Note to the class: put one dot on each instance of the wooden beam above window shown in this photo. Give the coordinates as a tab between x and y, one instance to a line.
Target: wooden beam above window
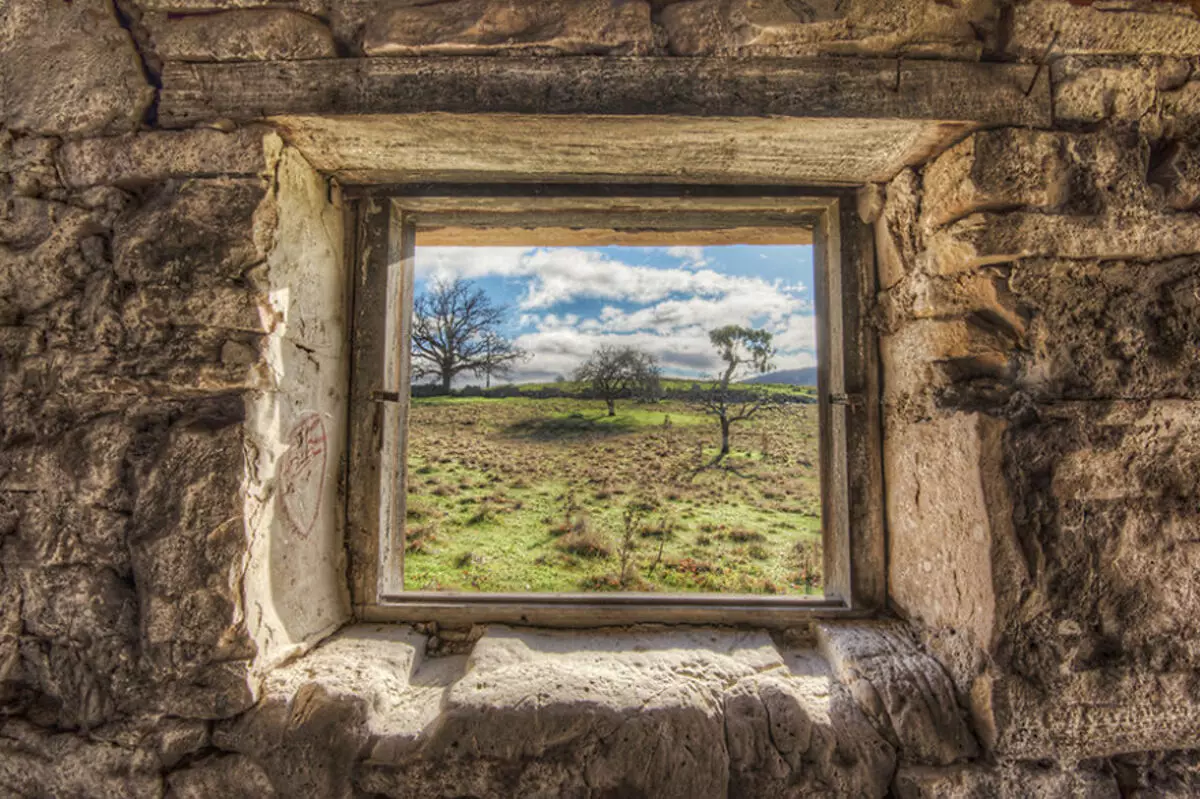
851	88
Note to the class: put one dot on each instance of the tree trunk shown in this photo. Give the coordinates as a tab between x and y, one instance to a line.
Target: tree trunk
446	376
612	407
724	436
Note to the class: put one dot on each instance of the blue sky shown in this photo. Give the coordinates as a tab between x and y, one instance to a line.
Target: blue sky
566	301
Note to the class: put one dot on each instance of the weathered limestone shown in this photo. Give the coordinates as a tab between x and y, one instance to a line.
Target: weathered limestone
970	574
549	714
860	27
482	27
1158	96
220	775
1033	782
936	362
69	69
896	233
983	239
240	35
1126	28
34	762
170	332
1092	713
294	581
1130	335
996	170
1177	173
904	691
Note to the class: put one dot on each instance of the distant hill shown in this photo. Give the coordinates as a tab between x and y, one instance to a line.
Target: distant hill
788	377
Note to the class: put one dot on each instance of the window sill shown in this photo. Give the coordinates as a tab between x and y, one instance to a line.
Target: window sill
640	711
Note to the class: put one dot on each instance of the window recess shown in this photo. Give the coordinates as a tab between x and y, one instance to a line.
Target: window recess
390	223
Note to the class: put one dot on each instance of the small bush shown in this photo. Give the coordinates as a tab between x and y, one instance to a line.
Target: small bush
809	563
588	544
418	537
484	513
468	559
742	536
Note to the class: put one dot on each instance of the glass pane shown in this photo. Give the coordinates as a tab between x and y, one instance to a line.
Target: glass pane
614	419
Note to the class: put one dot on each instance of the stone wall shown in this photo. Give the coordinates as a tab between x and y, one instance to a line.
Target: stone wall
172	341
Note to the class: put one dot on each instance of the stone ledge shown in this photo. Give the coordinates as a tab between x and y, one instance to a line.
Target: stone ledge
656	712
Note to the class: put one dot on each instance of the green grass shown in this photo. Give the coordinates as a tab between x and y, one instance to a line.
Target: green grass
504	495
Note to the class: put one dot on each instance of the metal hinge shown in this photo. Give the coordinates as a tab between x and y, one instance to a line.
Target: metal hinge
852	400
385	396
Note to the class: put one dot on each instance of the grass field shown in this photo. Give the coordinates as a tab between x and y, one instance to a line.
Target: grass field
552	495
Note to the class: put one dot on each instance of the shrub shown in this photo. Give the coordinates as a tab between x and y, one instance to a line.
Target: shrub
741	535
418	537
809	563
588	544
484	513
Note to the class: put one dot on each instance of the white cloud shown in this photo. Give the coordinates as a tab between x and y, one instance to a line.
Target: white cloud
692	257
674	307
563	350
566	273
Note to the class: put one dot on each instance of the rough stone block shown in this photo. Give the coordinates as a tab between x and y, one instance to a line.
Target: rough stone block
220	776
1092	714
897	239
478	27
29	164
36	762
1120	329
314	7
70	69
1153	95
41	254
982	239
945	475
1160	28
188	547
135	160
191	234
240	35
904	691
1158	775
1177	174
1108	493
931	363
996	170
1003	781
674	713
860	27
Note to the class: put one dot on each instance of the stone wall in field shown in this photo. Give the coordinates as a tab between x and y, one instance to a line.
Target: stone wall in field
172	420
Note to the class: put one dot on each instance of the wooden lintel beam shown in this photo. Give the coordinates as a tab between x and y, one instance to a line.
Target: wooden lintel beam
983	94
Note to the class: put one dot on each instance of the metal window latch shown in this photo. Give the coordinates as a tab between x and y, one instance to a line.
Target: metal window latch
385	396
852	400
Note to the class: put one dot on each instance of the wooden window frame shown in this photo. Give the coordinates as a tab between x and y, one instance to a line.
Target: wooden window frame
382	230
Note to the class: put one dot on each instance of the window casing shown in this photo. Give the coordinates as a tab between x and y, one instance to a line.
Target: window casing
384	229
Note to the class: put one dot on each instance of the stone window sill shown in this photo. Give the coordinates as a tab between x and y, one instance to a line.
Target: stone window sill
627	711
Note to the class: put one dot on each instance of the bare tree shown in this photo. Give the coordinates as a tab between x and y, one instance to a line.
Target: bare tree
614	373
745	351
455	331
499	355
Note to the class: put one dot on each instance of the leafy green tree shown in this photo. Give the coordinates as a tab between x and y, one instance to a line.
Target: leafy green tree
745	352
